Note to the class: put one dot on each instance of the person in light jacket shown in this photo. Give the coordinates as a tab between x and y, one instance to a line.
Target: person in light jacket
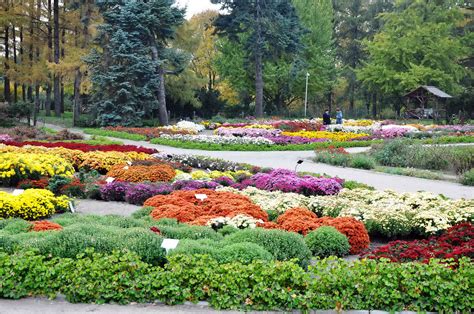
338	116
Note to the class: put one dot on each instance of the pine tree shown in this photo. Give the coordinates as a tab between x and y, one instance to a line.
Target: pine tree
272	29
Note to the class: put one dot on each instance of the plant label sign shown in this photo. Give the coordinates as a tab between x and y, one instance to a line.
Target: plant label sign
109	180
129	163
200	197
71	207
126	167
17	192
169	244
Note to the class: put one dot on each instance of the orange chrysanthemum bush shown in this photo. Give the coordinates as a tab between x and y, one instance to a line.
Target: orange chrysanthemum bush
185	207
45	225
302	221
352	228
140	173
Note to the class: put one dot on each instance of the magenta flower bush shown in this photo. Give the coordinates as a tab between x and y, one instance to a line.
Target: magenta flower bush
137	194
188	185
114	191
5	138
289	181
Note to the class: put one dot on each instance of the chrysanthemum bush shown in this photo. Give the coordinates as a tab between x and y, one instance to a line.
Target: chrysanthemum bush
302	221
394	214
28	165
32	204
186	207
456	242
93	160
139	173
84	147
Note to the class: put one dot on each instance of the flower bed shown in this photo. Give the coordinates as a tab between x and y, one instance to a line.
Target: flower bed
185	207
289	181
248	132
333	136
214	139
32	204
132	173
84	147
456	242
24	165
392	214
301	220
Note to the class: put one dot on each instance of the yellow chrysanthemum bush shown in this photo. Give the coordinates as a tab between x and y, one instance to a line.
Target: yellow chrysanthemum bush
333	136
32	204
95	160
15	166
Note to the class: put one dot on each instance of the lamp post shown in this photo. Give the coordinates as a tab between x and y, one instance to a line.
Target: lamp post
306	95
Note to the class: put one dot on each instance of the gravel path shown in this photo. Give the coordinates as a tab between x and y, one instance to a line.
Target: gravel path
86	206
288	159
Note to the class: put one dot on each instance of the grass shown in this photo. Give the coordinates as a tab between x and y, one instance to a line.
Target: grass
65	119
117	134
413	172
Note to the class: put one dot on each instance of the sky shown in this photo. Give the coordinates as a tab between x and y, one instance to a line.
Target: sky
197	6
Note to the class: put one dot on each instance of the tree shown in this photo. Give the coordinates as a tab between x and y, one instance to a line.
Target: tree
319	56
416	46
272	29
129	72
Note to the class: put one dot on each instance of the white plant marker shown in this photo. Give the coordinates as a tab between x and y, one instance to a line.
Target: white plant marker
126	167
109	180
129	163
17	192
169	244
71	207
200	197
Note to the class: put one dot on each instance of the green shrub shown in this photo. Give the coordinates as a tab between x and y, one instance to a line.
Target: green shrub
336	159
468	177
14	226
192	247
121	277
118	134
327	241
245	252
167	221
226	230
351	185
281	244
462	159
142	212
272	214
362	162
184	231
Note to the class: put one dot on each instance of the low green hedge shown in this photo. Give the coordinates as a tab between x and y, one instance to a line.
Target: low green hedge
117	134
122	277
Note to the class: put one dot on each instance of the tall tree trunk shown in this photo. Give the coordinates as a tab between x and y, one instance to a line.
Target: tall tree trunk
29	93
22	61
56	84
6	80
47	104
161	92
76	111
258	64
162	97
63	42
36	103
374	105
15	60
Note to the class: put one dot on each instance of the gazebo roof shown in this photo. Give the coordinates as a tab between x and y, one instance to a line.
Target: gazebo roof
430	89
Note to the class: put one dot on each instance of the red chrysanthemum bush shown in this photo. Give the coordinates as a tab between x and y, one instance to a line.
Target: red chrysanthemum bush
456	242
302	220
45	225
41	183
153	173
185	207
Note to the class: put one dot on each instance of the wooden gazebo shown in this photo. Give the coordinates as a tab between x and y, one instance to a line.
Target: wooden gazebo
426	94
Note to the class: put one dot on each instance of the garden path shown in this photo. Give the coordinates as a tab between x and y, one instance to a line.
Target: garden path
288	159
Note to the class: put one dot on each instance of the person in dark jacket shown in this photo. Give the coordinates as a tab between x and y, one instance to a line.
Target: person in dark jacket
326	117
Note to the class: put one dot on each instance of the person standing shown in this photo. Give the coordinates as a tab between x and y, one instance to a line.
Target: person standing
326	117
338	116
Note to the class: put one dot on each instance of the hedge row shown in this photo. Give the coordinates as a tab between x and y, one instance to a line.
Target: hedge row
262	285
